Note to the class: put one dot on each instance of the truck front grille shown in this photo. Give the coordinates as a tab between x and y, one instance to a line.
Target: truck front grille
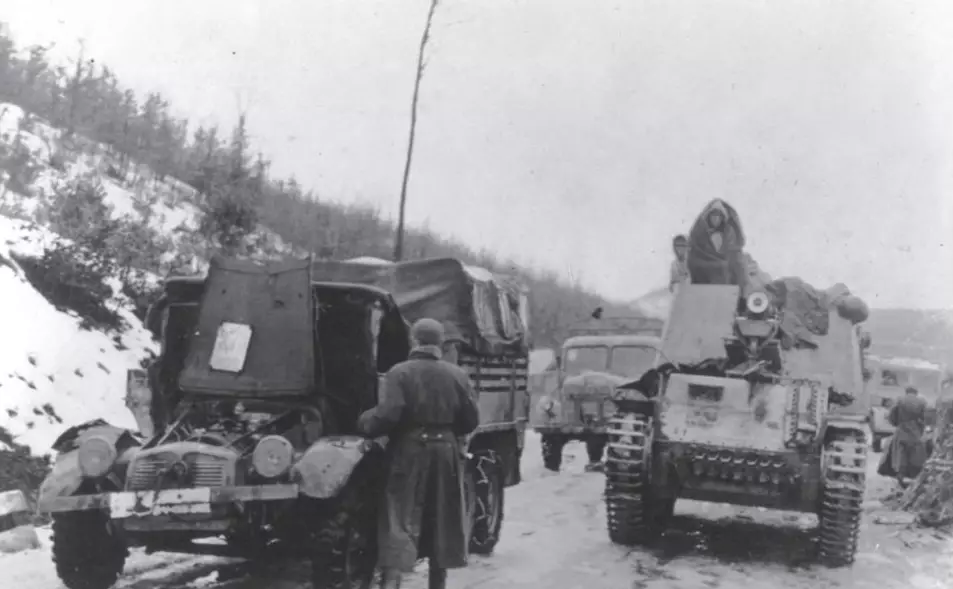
152	472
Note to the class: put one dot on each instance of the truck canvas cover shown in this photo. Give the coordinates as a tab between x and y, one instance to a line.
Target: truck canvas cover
254	333
487	310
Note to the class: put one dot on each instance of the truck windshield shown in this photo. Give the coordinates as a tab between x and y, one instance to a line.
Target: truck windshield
631	361
583	359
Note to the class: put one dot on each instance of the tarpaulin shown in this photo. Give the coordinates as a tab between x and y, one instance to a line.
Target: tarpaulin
482	307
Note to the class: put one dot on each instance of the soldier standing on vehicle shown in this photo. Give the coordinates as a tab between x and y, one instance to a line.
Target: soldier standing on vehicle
907	449
679	273
425	406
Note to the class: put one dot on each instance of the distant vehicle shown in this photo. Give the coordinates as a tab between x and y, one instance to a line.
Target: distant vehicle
888	378
732	416
601	354
250	411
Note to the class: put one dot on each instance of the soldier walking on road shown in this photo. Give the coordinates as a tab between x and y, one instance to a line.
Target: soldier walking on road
907	449
426	406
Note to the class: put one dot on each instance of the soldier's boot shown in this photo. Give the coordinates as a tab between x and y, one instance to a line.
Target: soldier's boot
390	578
437	579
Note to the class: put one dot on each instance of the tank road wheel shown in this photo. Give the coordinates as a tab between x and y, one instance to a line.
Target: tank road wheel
553	451
628	466
485	500
344	551
843	476
87	550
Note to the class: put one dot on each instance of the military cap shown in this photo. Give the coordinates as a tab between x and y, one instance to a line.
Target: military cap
427	332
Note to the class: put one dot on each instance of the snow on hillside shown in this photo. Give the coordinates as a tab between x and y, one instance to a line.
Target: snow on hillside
169	203
53	374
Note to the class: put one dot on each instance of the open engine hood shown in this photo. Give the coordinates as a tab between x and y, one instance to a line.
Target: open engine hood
255	331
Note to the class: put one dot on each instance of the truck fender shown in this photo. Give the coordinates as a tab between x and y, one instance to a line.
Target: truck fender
327	465
65	478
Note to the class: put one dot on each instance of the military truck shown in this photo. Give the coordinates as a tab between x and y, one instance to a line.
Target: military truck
487	316
889	377
252	405
735	412
600	354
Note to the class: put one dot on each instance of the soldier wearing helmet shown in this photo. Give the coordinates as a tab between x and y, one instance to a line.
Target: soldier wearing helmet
679	271
426	407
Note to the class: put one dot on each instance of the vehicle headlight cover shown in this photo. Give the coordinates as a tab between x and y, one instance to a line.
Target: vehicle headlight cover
272	456
96	456
757	302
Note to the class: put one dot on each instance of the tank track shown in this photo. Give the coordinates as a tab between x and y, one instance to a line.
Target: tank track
844	479
627	471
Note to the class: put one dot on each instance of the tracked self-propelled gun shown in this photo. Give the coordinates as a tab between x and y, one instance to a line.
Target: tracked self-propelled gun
737	411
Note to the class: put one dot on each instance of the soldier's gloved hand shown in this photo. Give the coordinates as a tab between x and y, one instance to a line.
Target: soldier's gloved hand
463	442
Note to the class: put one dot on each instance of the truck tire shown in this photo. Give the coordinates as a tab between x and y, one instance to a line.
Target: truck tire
344	552
344	532
631	514
844	464
485	479
553	445
87	551
878	445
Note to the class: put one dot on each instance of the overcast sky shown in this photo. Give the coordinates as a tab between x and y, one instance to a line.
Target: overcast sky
581	135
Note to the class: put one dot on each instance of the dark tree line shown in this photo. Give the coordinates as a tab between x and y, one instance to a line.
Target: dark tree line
146	142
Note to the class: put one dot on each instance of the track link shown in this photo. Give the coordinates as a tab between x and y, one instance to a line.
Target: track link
844	480
627	479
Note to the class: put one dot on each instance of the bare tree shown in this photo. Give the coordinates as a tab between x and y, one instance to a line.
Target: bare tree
421	65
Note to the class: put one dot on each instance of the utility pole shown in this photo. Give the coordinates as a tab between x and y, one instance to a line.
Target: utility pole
399	244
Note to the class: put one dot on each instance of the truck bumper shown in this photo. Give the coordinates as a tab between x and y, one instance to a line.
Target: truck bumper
199	500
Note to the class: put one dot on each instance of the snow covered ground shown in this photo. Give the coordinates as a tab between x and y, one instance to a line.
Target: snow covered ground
554	536
52	373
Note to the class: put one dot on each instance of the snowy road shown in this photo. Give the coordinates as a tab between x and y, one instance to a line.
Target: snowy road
554	536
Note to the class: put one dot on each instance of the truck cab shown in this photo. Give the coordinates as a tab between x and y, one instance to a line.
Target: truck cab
591	364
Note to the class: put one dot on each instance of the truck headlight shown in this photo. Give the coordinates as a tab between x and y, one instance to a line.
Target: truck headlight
96	456
272	456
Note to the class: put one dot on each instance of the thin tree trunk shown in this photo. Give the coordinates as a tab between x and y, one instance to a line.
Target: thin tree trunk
399	245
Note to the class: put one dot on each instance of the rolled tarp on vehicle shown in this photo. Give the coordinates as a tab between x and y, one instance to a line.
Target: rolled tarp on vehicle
488	310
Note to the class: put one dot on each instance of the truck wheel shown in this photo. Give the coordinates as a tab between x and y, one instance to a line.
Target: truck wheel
485	481
844	464
87	550
344	547
630	510
878	445
553	451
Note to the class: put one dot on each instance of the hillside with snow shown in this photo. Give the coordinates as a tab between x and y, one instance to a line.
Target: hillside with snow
57	370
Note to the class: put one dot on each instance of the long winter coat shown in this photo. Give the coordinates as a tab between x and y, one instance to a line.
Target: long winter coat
425	405
907	451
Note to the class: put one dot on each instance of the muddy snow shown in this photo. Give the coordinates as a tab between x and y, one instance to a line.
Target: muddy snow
554	536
